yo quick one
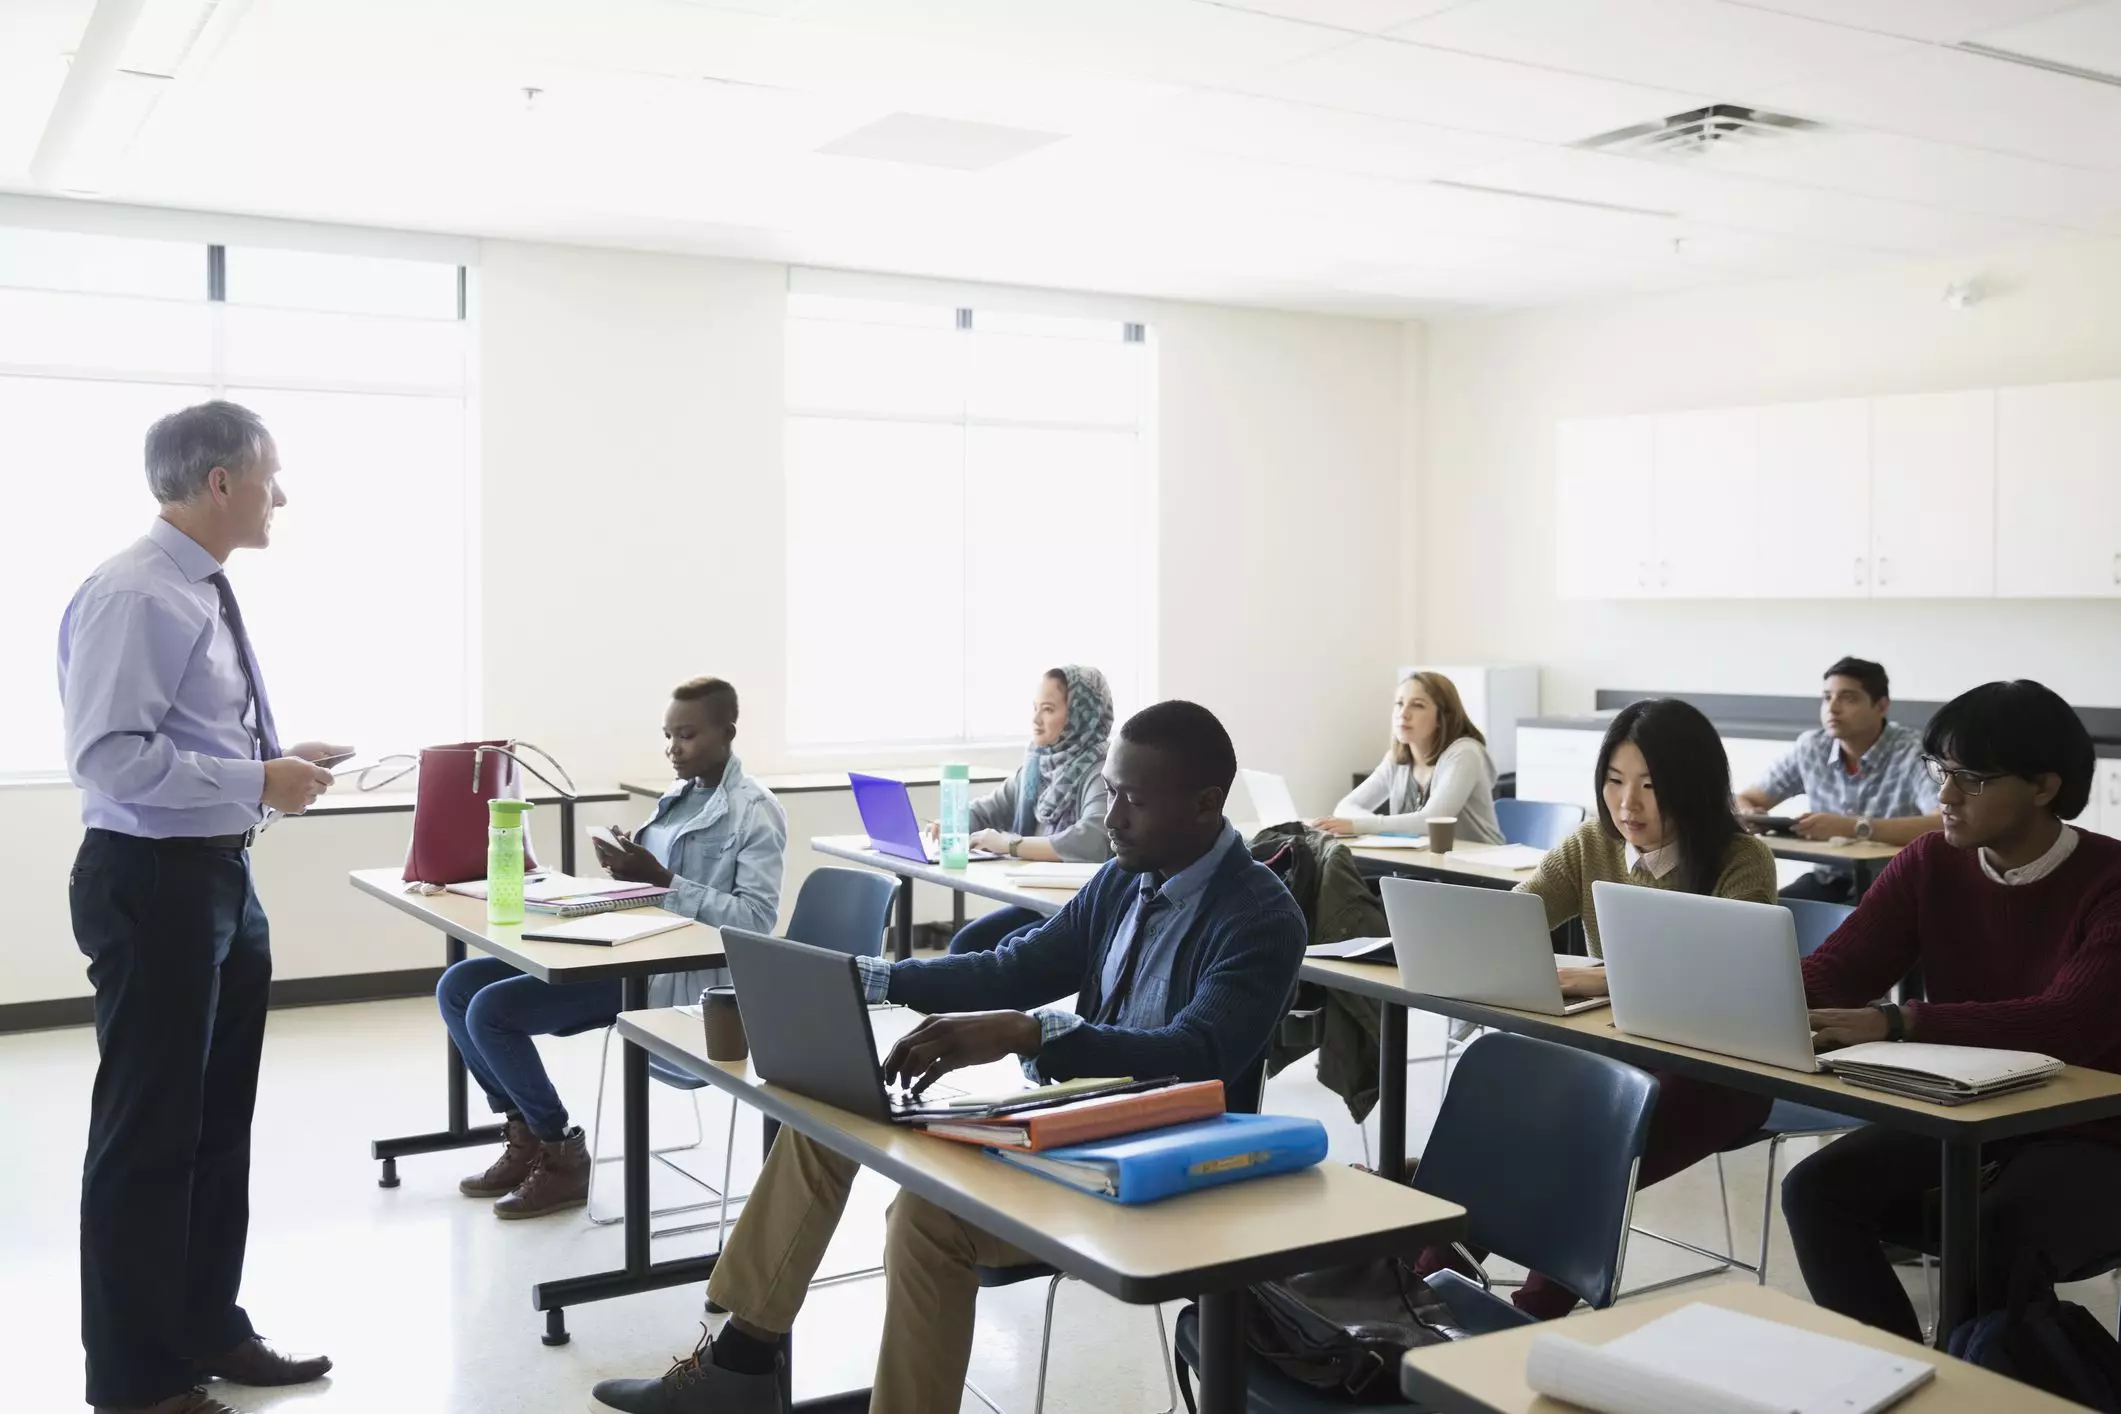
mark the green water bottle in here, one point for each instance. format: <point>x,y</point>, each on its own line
<point>957,816</point>
<point>504,860</point>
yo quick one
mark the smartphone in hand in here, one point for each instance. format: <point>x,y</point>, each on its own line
<point>603,835</point>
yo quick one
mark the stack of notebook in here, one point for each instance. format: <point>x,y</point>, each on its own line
<point>1139,1147</point>
<point>1944,1075</point>
<point>566,896</point>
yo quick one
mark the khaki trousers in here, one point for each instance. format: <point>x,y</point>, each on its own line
<point>930,1286</point>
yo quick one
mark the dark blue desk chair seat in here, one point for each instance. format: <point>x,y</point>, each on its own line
<point>1567,1128</point>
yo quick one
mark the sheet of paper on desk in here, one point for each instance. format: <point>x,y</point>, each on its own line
<point>1703,1359</point>
<point>1352,949</point>
<point>1053,876</point>
<point>1503,856</point>
<point>1386,841</point>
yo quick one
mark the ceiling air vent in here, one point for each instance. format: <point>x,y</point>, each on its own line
<point>1683,135</point>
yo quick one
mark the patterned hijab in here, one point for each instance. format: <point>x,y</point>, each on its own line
<point>1065,767</point>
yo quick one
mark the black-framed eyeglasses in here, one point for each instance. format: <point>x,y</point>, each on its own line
<point>1969,782</point>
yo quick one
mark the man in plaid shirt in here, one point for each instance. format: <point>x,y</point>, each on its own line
<point>1862,774</point>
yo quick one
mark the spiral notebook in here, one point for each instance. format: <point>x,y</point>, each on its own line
<point>607,930</point>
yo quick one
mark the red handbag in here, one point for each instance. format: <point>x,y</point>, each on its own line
<point>449,815</point>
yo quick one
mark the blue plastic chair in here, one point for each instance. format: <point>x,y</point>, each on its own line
<point>1542,824</point>
<point>1816,921</point>
<point>841,909</point>
<point>1539,1144</point>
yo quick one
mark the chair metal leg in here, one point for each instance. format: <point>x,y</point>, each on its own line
<point>1767,1209</point>
<point>1045,1346</point>
<point>1723,1192</point>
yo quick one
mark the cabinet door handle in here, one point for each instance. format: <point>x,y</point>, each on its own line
<point>2117,567</point>
<point>1642,574</point>
<point>1859,567</point>
<point>1664,572</point>
<point>1885,571</point>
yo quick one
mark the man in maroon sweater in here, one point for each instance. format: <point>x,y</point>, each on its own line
<point>2015,920</point>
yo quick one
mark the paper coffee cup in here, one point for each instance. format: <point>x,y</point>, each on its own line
<point>725,1025</point>
<point>1442,831</point>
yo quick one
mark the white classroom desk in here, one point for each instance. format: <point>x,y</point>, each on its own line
<point>1209,1245</point>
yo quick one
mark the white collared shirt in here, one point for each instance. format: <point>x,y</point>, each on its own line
<point>2064,846</point>
<point>1657,862</point>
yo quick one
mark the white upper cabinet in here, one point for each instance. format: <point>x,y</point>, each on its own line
<point>2058,492</point>
<point>1813,506</point>
<point>1603,528</point>
<point>1933,495</point>
<point>1705,467</point>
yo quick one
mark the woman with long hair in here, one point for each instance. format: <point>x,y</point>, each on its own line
<point>1664,822</point>
<point>1436,765</point>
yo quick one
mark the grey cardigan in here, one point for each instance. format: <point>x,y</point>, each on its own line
<point>1084,842</point>
<point>1463,786</point>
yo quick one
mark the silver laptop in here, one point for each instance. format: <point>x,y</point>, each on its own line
<point>1478,945</point>
<point>1271,802</point>
<point>1709,972</point>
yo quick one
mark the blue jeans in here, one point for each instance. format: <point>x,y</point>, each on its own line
<point>492,1011</point>
<point>990,930</point>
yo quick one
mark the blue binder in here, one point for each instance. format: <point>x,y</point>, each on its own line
<point>1141,1168</point>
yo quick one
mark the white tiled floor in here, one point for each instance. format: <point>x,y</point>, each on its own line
<point>422,1297</point>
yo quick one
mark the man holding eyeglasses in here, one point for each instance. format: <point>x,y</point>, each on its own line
<point>2015,920</point>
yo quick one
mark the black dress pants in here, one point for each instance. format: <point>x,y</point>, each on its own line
<point>2051,1197</point>
<point>179,954</point>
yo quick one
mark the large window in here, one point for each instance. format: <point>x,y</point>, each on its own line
<point>360,609</point>
<point>970,502</point>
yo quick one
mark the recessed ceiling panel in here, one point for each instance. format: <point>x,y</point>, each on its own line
<point>1398,80</point>
<point>1306,135</point>
<point>1693,45</point>
<point>1937,21</point>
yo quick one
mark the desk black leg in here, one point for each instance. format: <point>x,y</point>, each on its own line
<point>459,1134</point>
<point>639,1274</point>
<point>902,945</point>
<point>1392,1092</point>
<point>1222,1351</point>
<point>566,835</point>
<point>1960,1248</point>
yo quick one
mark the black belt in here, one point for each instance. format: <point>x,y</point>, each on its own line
<point>234,842</point>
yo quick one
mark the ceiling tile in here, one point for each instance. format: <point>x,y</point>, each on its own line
<point>1729,50</point>
<point>1936,21</point>
<point>1161,41</point>
<point>1369,16</point>
<point>1941,175</point>
<point>1699,193</point>
<point>2088,37</point>
<point>1951,96</point>
<point>1391,79</point>
<point>1302,134</point>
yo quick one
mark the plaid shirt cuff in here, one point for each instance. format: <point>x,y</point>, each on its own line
<point>1052,1025</point>
<point>876,978</point>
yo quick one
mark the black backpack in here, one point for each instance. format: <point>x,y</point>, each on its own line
<point>2045,1342</point>
<point>1343,1331</point>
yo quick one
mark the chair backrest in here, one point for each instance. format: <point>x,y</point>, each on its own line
<point>1539,1143</point>
<point>843,909</point>
<point>1816,921</point>
<point>1542,824</point>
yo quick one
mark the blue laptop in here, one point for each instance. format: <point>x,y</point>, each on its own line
<point>889,821</point>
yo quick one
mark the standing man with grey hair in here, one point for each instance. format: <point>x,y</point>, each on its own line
<point>170,736</point>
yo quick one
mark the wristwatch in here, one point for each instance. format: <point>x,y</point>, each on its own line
<point>1863,827</point>
<point>1013,847</point>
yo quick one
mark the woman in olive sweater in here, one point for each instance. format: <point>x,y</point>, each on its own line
<point>1664,822</point>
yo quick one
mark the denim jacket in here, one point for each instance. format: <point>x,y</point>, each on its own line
<point>727,862</point>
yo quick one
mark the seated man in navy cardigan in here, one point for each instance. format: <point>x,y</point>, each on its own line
<point>1180,954</point>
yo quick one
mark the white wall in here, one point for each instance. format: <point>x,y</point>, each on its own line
<point>1279,558</point>
<point>1497,386</point>
<point>629,437</point>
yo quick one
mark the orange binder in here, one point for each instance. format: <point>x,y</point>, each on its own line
<point>1087,1120</point>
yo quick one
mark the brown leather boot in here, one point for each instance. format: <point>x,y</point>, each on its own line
<point>559,1179</point>
<point>514,1165</point>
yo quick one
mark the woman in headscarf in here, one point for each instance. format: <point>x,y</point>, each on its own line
<point>1053,808</point>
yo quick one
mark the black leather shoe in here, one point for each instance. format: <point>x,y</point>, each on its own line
<point>192,1401</point>
<point>256,1363</point>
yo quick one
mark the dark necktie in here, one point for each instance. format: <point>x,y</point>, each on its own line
<point>254,702</point>
<point>1153,907</point>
